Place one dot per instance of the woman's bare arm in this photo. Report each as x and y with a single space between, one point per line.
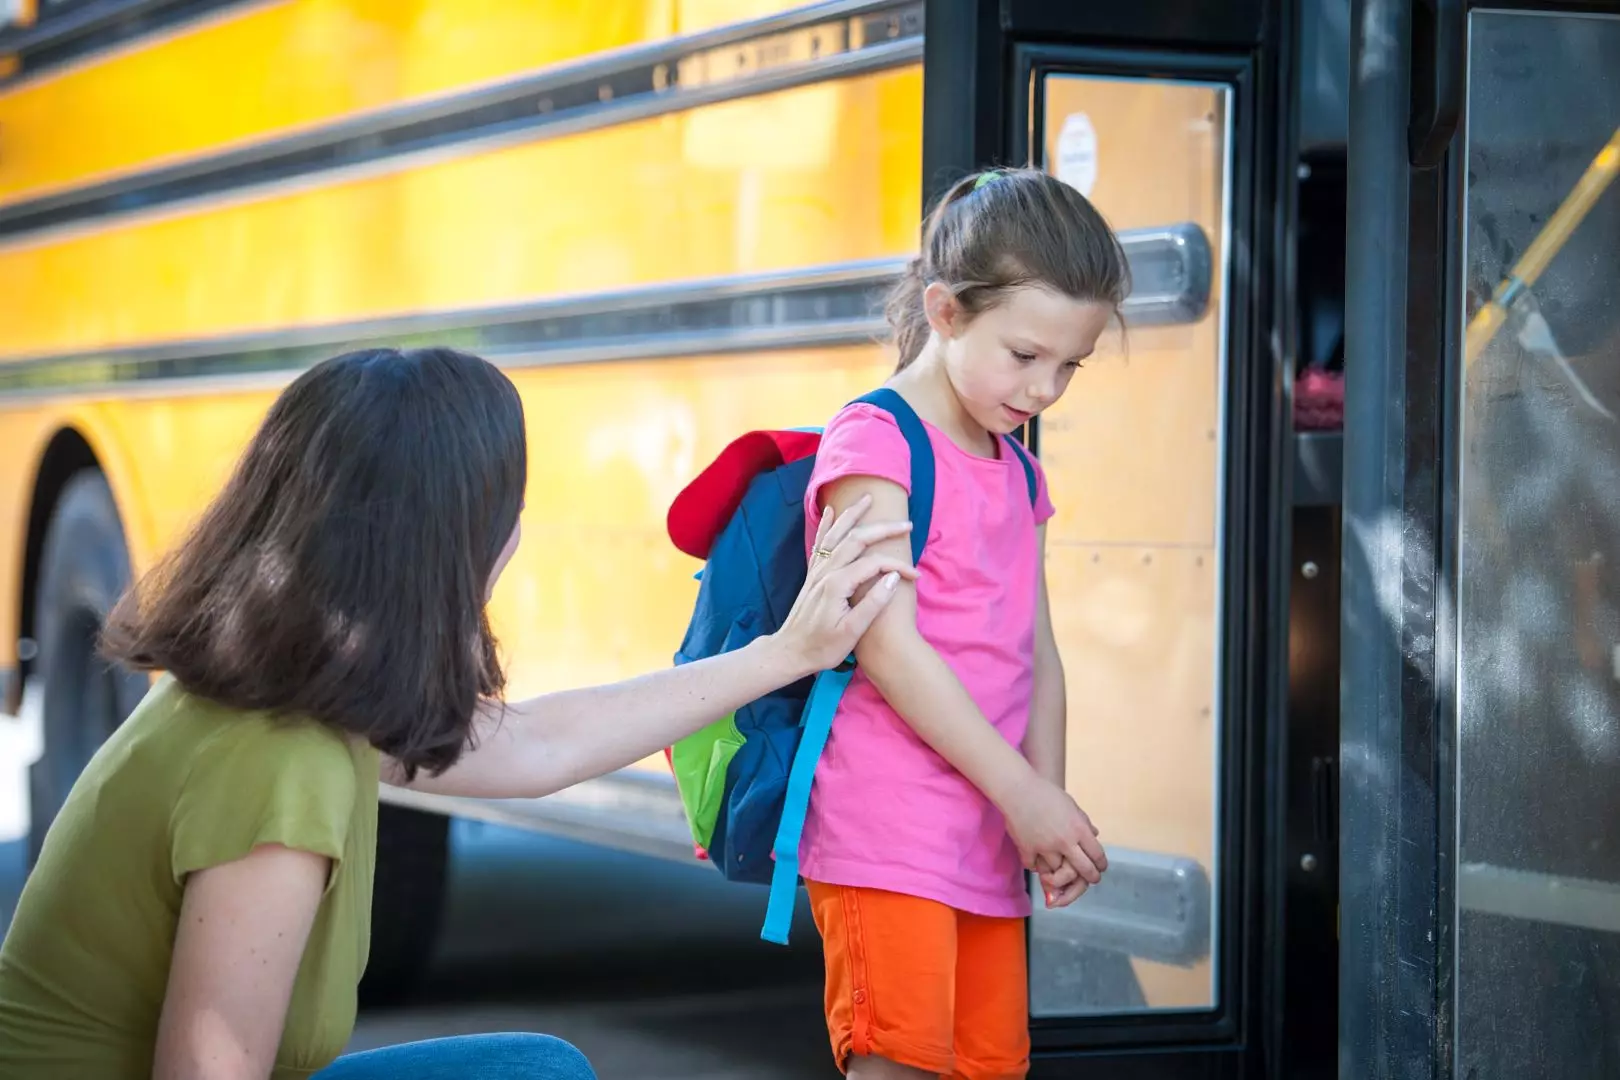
237 947
532 748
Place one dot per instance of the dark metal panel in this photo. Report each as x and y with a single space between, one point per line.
1324 74
1190 1063
1318 468
965 99
1396 808
1309 777
1183 24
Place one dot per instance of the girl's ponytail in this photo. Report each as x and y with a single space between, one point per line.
907 319
904 310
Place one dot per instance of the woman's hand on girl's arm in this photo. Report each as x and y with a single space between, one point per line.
919 685
532 748
237 947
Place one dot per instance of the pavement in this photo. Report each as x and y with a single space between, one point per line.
653 969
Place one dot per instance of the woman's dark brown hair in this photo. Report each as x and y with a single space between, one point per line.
341 574
1001 230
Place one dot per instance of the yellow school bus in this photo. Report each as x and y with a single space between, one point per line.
670 221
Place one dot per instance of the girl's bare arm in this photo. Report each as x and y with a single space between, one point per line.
919 685
237 948
1045 743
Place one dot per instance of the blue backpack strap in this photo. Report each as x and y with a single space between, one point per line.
921 503
1029 467
817 724
829 687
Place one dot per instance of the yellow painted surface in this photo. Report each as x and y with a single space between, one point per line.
596 592
1133 461
818 174
23 437
694 15
274 68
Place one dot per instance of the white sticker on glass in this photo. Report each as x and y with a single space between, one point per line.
1077 153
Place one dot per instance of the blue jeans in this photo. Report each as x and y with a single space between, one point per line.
466 1057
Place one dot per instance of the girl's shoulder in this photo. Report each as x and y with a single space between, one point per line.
863 419
863 439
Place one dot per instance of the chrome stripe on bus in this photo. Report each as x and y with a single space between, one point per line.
81 33
816 307
814 44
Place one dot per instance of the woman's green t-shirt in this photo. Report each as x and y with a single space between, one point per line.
183 785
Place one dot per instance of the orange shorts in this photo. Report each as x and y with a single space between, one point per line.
923 984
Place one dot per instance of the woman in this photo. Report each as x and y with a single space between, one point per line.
201 906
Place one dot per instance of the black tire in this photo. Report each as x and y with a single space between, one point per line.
84 568
407 904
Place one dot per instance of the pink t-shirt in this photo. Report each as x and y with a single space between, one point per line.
886 811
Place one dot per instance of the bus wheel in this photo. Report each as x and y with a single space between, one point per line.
407 900
84 567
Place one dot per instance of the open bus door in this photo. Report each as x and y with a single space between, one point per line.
1165 462
1481 576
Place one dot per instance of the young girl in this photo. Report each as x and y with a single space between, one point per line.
942 781
201 907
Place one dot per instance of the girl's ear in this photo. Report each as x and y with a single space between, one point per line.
942 309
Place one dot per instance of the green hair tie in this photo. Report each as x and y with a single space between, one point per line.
988 178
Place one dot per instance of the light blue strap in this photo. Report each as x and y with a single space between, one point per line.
818 717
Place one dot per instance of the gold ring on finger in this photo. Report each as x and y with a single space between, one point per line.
823 553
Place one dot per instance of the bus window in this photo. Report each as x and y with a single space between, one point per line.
1538 786
1134 455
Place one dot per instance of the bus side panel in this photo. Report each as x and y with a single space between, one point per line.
819 174
272 69
596 592
23 433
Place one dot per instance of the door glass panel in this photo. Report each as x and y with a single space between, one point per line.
1134 456
1538 887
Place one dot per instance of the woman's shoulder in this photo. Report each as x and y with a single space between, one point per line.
255 778
246 742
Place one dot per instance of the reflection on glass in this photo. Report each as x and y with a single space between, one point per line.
1538 887
1133 454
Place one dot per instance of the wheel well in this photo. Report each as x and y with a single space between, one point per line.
67 455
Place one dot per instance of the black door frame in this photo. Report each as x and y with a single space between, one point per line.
1402 457
980 115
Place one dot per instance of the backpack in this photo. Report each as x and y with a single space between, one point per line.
745 780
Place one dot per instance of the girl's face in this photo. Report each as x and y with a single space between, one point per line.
1013 361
